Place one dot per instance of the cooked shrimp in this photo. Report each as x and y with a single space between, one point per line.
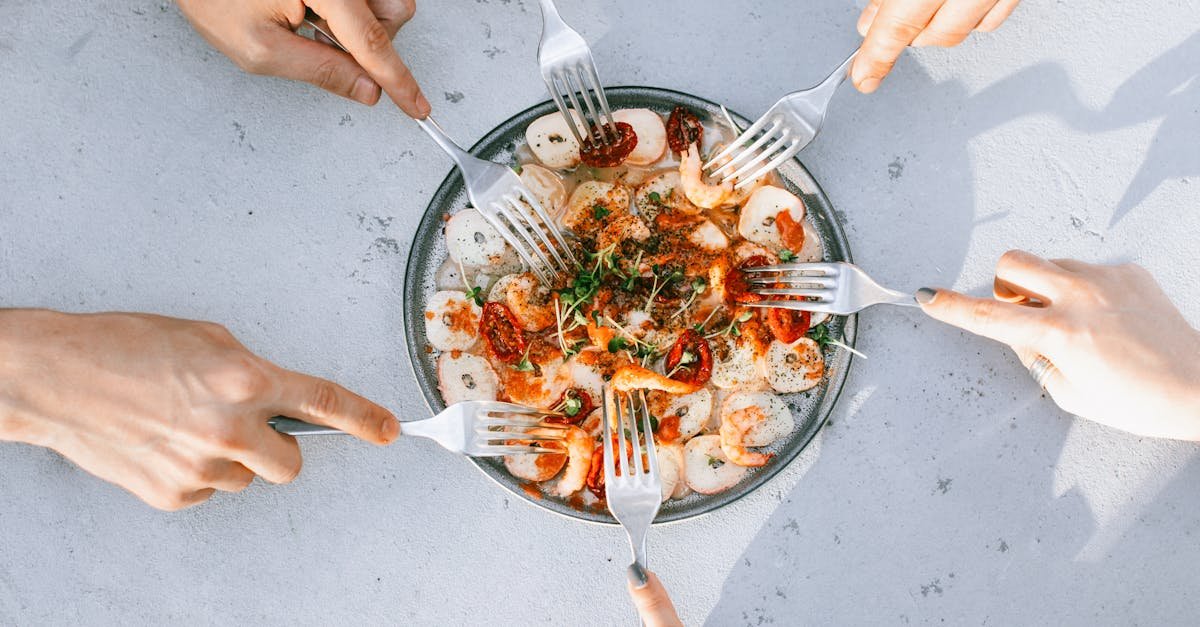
631 377
579 459
530 301
776 422
691 179
734 426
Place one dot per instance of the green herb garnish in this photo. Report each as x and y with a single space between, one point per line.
786 255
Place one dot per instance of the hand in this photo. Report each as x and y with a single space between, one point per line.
888 26
1123 354
650 597
167 409
259 35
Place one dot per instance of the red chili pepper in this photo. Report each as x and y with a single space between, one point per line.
788 325
683 129
504 337
597 154
699 368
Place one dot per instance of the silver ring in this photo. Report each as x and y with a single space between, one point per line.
1040 370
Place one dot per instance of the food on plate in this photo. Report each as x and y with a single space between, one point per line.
657 308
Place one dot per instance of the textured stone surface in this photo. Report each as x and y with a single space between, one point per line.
140 170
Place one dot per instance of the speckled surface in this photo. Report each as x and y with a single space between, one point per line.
140 170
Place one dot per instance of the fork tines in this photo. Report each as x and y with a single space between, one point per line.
503 431
814 283
766 145
622 410
528 228
595 113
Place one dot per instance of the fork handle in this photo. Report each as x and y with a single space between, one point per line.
291 426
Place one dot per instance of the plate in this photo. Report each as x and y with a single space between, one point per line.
811 409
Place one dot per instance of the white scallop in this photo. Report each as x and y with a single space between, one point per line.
472 241
651 135
552 142
670 468
693 410
499 290
441 334
740 368
586 377
588 194
757 220
466 377
448 276
706 468
794 367
708 236
777 417
812 249
546 186
669 193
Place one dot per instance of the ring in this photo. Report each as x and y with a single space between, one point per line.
1040 370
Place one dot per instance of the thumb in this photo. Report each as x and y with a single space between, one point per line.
651 599
300 58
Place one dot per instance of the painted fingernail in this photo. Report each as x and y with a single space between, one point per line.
365 91
925 295
391 429
637 575
868 85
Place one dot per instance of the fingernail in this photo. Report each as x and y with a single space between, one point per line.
868 85
423 105
365 91
925 295
391 429
637 575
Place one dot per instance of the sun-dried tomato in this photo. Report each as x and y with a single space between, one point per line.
790 231
564 406
504 337
598 154
690 359
737 288
788 325
683 129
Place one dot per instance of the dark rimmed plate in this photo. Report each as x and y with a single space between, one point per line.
810 409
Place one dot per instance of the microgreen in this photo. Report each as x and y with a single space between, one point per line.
600 211
787 256
732 328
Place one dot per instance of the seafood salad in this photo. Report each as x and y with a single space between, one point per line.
656 308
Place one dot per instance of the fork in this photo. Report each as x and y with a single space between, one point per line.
633 497
497 193
837 288
473 428
568 68
784 130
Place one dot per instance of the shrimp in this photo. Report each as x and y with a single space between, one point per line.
691 179
579 460
628 378
734 427
530 301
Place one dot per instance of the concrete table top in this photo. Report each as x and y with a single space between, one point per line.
140 170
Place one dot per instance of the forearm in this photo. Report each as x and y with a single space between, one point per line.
17 328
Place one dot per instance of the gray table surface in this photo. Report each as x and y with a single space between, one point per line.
140 170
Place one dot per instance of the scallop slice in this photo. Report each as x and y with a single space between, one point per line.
651 135
707 469
449 276
581 208
777 417
585 377
812 249
757 220
499 291
817 318
472 241
794 367
466 377
546 186
708 236
552 142
451 321
670 468
662 191
693 410
736 364
535 467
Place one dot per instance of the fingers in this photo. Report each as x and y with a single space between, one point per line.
326 67
653 604
322 402
357 28
1004 322
230 476
867 17
953 22
1020 274
271 455
997 15
894 27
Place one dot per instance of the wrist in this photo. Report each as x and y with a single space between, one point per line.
18 329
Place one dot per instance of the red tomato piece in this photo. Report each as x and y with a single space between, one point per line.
790 231
737 288
568 418
683 128
690 359
788 325
503 335
595 153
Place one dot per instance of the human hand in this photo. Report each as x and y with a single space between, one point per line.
889 26
1123 355
168 409
259 35
651 599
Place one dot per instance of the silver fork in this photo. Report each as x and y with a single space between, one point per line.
635 495
568 68
837 287
473 428
497 193
784 130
